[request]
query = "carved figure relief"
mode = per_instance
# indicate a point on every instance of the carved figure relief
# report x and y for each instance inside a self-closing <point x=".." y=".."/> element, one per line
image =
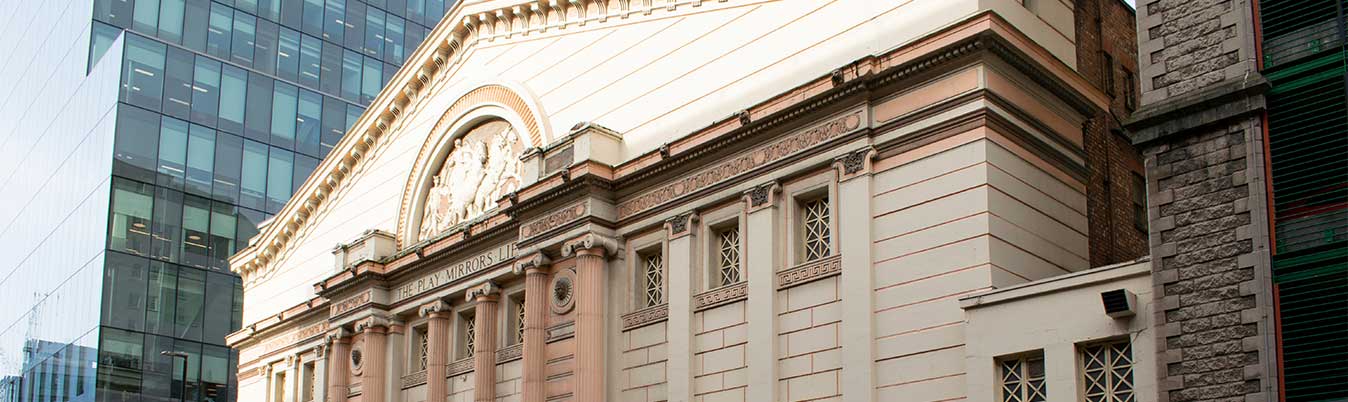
<point x="482" y="167"/>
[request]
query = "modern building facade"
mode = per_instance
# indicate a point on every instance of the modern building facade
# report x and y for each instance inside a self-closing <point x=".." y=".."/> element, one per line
<point x="1243" y="123"/>
<point x="163" y="133"/>
<point x="717" y="201"/>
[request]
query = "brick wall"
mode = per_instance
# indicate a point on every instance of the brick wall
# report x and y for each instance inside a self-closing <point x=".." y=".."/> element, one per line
<point x="1109" y="27"/>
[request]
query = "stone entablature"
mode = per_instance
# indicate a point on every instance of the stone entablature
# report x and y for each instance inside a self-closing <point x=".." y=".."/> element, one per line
<point x="569" y="227"/>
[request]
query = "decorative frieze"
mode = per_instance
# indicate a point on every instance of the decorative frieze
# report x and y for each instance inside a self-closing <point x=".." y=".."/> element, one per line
<point x="810" y="271"/>
<point x="509" y="353"/>
<point x="414" y="379"/>
<point x="742" y="164"/>
<point x="554" y="220"/>
<point x="645" y="316"/>
<point x="720" y="296"/>
<point x="283" y="341"/>
<point x="455" y="271"/>
<point x="459" y="367"/>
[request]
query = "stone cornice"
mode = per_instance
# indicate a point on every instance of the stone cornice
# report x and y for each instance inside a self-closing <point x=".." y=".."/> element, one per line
<point x="1210" y="105"/>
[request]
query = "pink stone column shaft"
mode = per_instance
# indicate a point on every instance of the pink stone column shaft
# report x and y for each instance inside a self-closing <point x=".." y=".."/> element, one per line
<point x="590" y="324"/>
<point x="338" y="359"/>
<point x="535" y="337"/>
<point x="484" y="348"/>
<point x="372" y="377"/>
<point x="437" y="339"/>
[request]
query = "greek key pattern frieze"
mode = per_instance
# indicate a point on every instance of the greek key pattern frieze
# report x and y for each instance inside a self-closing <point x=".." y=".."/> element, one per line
<point x="720" y="296"/>
<point x="809" y="272"/>
<point x="459" y="367"/>
<point x="742" y="164"/>
<point x="414" y="379"/>
<point x="645" y="316"/>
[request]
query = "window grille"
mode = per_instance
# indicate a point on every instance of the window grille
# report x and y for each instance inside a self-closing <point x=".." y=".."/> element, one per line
<point x="655" y="279"/>
<point x="1023" y="379"/>
<point x="519" y="320"/>
<point x="815" y="221"/>
<point x="1108" y="372"/>
<point x="469" y="336"/>
<point x="728" y="243"/>
<point x="423" y="349"/>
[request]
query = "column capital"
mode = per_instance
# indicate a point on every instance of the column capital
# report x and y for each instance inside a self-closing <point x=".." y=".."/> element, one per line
<point x="680" y="225"/>
<point x="532" y="264"/>
<point x="320" y="350"/>
<point x="339" y="335"/>
<point x="854" y="164"/>
<point x="487" y="291"/>
<point x="432" y="308"/>
<point x="373" y="324"/>
<point x="591" y="244"/>
<point x="762" y="196"/>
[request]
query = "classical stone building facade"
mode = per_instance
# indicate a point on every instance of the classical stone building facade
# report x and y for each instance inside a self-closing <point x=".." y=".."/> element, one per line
<point x="707" y="201"/>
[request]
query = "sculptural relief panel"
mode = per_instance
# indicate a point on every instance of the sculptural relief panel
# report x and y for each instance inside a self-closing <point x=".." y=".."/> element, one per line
<point x="482" y="166"/>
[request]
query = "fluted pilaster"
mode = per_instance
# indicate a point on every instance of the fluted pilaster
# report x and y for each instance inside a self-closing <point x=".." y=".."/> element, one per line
<point x="373" y="378"/>
<point x="437" y="353"/>
<point x="535" y="336"/>
<point x="590" y="324"/>
<point x="338" y="369"/>
<point x="484" y="342"/>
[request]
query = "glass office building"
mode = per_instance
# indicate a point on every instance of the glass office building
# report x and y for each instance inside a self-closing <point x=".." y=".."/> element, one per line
<point x="146" y="141"/>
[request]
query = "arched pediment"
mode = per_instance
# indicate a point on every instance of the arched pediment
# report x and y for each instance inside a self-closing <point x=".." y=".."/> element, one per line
<point x="470" y="159"/>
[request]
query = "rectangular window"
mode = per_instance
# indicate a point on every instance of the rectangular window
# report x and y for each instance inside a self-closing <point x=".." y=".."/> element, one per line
<point x="355" y="27"/>
<point x="279" y="383"/>
<point x="653" y="277"/>
<point x="132" y="204"/>
<point x="280" y="168"/>
<point x="728" y="255"/>
<point x="1022" y="378"/>
<point x="168" y="216"/>
<point x="99" y="43"/>
<point x="351" y="75"/>
<point x="159" y="302"/>
<point x="171" y="20"/>
<point x="283" y="109"/>
<point x="393" y="40"/>
<point x="264" y="50"/>
<point x="311" y="50"/>
<point x="196" y="226"/>
<point x="195" y="22"/>
<point x="115" y="12"/>
<point x="288" y="55"/>
<point x="307" y="388"/>
<point x="221" y="246"/>
<point x="1107" y="73"/>
<point x="200" y="160"/>
<point x="257" y="111"/>
<point x="467" y="336"/>
<point x="816" y="234"/>
<point x="1107" y="372"/>
<point x="423" y="350"/>
<point x="178" y="83"/>
<point x="172" y="153"/>
<point x="269" y="9"/>
<point x="233" y="98"/>
<point x="143" y="72"/>
<point x="245" y="32"/>
<point x="370" y="80"/>
<point x="374" y="32"/>
<point x="253" y="176"/>
<point x="119" y="362"/>
<point x="435" y="11"/>
<point x="146" y="18"/>
<point x="333" y="125"/>
<point x="330" y="69"/>
<point x="416" y="11"/>
<point x="291" y="11"/>
<point x="215" y="370"/>
<point x="191" y="293"/>
<point x="1139" y="185"/>
<point x="228" y="160"/>
<point x="1129" y="90"/>
<point x="334" y="24"/>
<point x="307" y="123"/>
<point x="219" y="292"/>
<point x="249" y="6"/>
<point x="124" y="291"/>
<point x="205" y="91"/>
<point x="519" y="319"/>
<point x="312" y="17"/>
<point x="135" y="144"/>
<point x="220" y="32"/>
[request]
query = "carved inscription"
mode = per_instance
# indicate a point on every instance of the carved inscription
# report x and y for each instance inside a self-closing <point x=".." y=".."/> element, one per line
<point x="286" y="340"/>
<point x="349" y="304"/>
<point x="554" y="220"/>
<point x="454" y="272"/>
<point x="739" y="165"/>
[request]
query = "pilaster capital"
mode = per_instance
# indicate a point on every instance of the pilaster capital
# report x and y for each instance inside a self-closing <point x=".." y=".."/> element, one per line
<point x="531" y="264"/>
<point x="487" y="291"/>
<point x="438" y="306"/>
<point x="762" y="196"/>
<point x="320" y="350"/>
<point x="373" y="324"/>
<point x="680" y="225"/>
<point x="591" y="243"/>
<point x="854" y="164"/>
<point x="339" y="335"/>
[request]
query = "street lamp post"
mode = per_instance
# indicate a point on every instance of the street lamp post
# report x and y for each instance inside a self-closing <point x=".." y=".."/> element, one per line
<point x="183" y="355"/>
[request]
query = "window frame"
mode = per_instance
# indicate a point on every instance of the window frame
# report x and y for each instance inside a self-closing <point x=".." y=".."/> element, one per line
<point x="464" y="329"/>
<point x="1023" y="358"/>
<point x="713" y="223"/>
<point x="1081" y="371"/>
<point x="638" y="249"/>
<point x="799" y="192"/>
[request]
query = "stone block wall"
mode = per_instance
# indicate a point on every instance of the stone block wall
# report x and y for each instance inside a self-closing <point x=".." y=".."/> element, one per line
<point x="1213" y="328"/>
<point x="719" y="353"/>
<point x="809" y="351"/>
<point x="510" y="381"/>
<point x="644" y="359"/>
<point x="1185" y="45"/>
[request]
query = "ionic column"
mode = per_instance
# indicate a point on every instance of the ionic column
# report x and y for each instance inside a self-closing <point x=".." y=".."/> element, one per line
<point x="761" y="244"/>
<point x="590" y="346"/>
<point x="857" y="280"/>
<point x="484" y="341"/>
<point x="372" y="377"/>
<point x="338" y="366"/>
<point x="437" y="340"/>
<point x="535" y="270"/>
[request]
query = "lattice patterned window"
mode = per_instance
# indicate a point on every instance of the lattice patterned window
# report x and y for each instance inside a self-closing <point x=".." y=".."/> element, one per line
<point x="1022" y="379"/>
<point x="653" y="270"/>
<point x="469" y="336"/>
<point x="1108" y="372"/>
<point x="423" y="348"/>
<point x="519" y="320"/>
<point x="816" y="234"/>
<point x="310" y="378"/>
<point x="728" y="256"/>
